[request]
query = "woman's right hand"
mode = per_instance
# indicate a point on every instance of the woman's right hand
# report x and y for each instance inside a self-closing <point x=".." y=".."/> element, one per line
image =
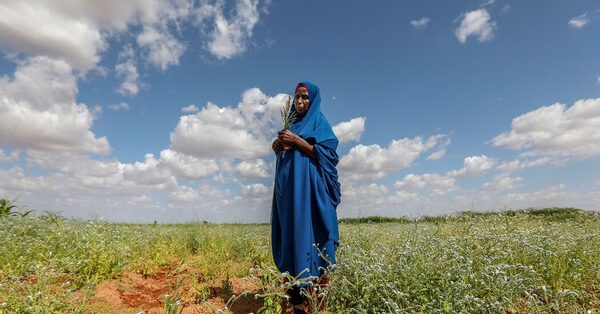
<point x="277" y="146"/>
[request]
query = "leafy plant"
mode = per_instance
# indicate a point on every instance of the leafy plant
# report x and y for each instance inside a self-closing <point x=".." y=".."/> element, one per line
<point x="8" y="206"/>
<point x="227" y="288"/>
<point x="172" y="305"/>
<point x="287" y="115"/>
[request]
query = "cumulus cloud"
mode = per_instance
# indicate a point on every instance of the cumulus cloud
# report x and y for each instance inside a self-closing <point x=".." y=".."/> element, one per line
<point x="188" y="167"/>
<point x="118" y="107"/>
<point x="46" y="116"/>
<point x="373" y="161"/>
<point x="190" y="109"/>
<point x="501" y="182"/>
<point x="350" y="130"/>
<point x="228" y="37"/>
<point x="127" y="70"/>
<point x="579" y="21"/>
<point x="148" y="172"/>
<point x="78" y="32"/>
<point x="474" y="166"/>
<point x="476" y="23"/>
<point x="162" y="48"/>
<point x="436" y="183"/>
<point x="363" y="199"/>
<point x="184" y="194"/>
<point x="256" y="190"/>
<point x="420" y="23"/>
<point x="243" y="132"/>
<point x="38" y="28"/>
<point x="556" y="131"/>
<point x="253" y="169"/>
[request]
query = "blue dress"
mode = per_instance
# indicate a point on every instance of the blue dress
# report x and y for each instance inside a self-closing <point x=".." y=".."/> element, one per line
<point x="305" y="197"/>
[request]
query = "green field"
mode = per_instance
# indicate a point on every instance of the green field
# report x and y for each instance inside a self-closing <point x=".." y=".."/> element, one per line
<point x="536" y="261"/>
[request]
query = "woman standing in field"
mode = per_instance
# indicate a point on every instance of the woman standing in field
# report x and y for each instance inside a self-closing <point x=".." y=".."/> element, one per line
<point x="307" y="192"/>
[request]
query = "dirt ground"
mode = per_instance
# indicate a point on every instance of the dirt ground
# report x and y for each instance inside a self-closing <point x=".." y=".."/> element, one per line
<point x="133" y="293"/>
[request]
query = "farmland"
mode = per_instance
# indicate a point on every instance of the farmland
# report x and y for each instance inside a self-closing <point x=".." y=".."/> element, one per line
<point x="534" y="261"/>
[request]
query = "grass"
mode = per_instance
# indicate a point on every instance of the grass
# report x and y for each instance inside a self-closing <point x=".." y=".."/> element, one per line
<point x="526" y="261"/>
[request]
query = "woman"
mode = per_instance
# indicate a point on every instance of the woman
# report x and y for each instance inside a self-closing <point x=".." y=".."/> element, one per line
<point x="306" y="192"/>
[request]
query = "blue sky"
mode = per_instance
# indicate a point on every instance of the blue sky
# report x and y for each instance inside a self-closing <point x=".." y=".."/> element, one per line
<point x="164" y="110"/>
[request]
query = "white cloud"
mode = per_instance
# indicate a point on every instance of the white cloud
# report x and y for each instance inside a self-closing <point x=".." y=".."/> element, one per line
<point x="163" y="49"/>
<point x="256" y="190"/>
<point x="556" y="131"/>
<point x="40" y="29"/>
<point x="243" y="132"/>
<point x="38" y="110"/>
<point x="369" y="190"/>
<point x="78" y="32"/>
<point x="119" y="106"/>
<point x="188" y="167"/>
<point x="373" y="161"/>
<point x="363" y="199"/>
<point x="184" y="194"/>
<point x="501" y="182"/>
<point x="487" y="3"/>
<point x="411" y="182"/>
<point x="518" y="164"/>
<point x="253" y="169"/>
<point x="598" y="79"/>
<point x="214" y="203"/>
<point x="476" y="23"/>
<point x="555" y="195"/>
<point x="228" y="37"/>
<point x="190" y="109"/>
<point x="9" y="158"/>
<point x="441" y="152"/>
<point x="420" y="23"/>
<point x="579" y="21"/>
<point x="437" y="184"/>
<point x="474" y="166"/>
<point x="149" y="172"/>
<point x="127" y="70"/>
<point x="350" y="130"/>
<point x="80" y="166"/>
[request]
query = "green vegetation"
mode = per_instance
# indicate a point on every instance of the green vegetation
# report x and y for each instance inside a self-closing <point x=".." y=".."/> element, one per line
<point x="533" y="261"/>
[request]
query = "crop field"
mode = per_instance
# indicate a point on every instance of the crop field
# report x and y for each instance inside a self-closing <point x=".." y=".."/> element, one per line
<point x="531" y="261"/>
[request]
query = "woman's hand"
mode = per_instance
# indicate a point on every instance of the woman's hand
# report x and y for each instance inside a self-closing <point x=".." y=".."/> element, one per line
<point x="288" y="137"/>
<point x="277" y="146"/>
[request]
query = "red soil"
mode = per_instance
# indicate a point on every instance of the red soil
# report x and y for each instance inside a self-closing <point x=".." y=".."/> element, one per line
<point x="132" y="292"/>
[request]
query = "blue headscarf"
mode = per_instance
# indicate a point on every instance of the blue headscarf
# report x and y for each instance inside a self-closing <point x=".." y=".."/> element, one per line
<point x="305" y="197"/>
<point x="314" y="128"/>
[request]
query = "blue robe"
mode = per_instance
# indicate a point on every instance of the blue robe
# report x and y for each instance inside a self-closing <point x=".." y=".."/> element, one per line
<point x="305" y="197"/>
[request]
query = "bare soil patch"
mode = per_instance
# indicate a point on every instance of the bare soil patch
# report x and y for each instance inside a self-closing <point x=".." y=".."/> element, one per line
<point x="133" y="292"/>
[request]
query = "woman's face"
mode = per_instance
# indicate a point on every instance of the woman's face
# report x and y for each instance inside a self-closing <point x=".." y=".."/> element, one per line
<point x="301" y="100"/>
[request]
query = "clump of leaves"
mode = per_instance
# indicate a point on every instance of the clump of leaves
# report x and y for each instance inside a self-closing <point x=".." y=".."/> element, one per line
<point x="227" y="289"/>
<point x="8" y="208"/>
<point x="287" y="115"/>
<point x="172" y="305"/>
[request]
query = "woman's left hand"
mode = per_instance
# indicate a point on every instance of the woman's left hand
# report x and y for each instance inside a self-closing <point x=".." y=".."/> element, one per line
<point x="287" y="137"/>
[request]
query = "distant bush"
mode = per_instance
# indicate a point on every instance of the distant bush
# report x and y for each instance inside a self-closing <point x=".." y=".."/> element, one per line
<point x="553" y="213"/>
